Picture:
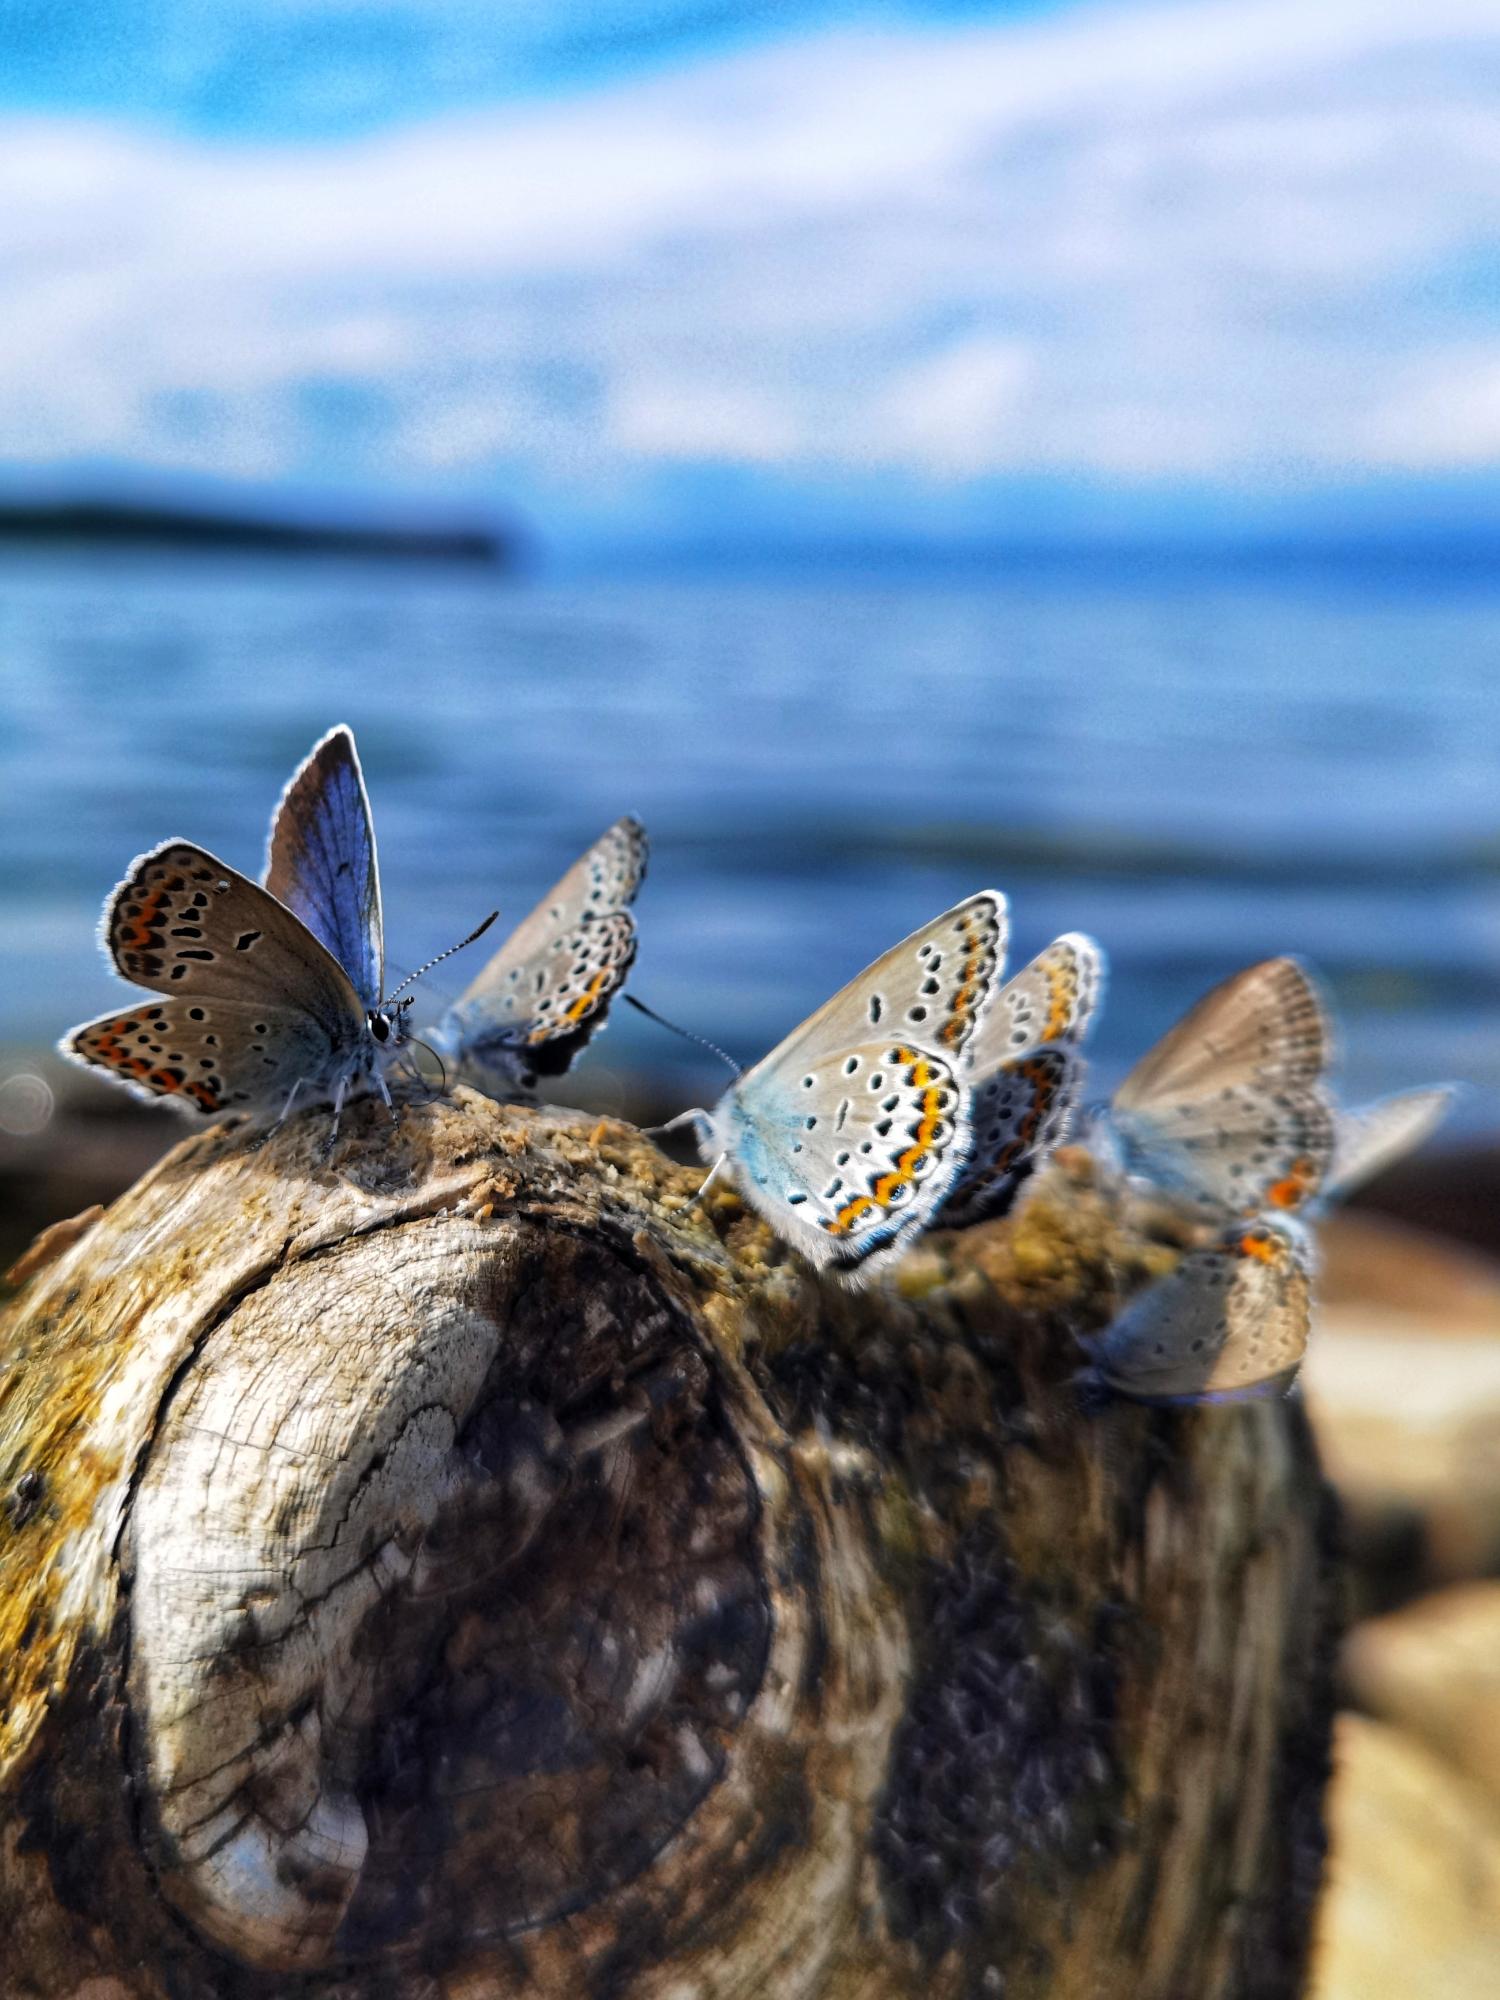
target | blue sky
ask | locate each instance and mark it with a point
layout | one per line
(651, 269)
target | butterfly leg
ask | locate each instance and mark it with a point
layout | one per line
(339, 1093)
(384, 1090)
(708, 1180)
(672, 1125)
(281, 1118)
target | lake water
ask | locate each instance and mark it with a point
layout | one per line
(1199, 766)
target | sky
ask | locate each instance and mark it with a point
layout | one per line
(641, 270)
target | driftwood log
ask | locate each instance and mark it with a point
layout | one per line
(459, 1568)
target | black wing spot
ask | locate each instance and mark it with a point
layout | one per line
(245, 939)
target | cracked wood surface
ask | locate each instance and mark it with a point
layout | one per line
(456, 1569)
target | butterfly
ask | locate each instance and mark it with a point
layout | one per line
(1368, 1139)
(1027, 1074)
(848, 1135)
(548, 988)
(266, 992)
(1230, 1322)
(1229, 1109)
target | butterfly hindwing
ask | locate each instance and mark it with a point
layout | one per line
(842, 1156)
(548, 988)
(1021, 1112)
(1372, 1136)
(321, 861)
(209, 1055)
(1232, 1320)
(1242, 1150)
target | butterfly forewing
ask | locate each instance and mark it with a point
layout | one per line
(1021, 1112)
(1229, 1107)
(1050, 1000)
(932, 989)
(1231, 1320)
(1267, 1024)
(1372, 1137)
(322, 863)
(549, 986)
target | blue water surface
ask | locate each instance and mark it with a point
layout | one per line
(1201, 766)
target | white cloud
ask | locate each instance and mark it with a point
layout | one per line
(675, 420)
(959, 411)
(1207, 239)
(1447, 413)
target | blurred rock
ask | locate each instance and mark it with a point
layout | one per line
(1403, 1382)
(94, 1142)
(1453, 1191)
(1434, 1669)
(1411, 1907)
(1373, 1268)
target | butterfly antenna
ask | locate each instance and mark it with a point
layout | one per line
(412, 977)
(686, 1034)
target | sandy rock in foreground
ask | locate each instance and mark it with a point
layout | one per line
(1411, 1910)
(1434, 1670)
(1403, 1382)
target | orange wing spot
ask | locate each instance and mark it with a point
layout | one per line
(958, 1014)
(921, 1076)
(1296, 1185)
(848, 1215)
(1258, 1244)
(202, 1095)
(1060, 993)
(581, 1006)
(1044, 1089)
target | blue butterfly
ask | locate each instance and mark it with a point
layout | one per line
(549, 986)
(266, 992)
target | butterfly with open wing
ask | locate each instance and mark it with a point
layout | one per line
(266, 993)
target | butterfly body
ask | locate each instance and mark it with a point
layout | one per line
(848, 1134)
(548, 988)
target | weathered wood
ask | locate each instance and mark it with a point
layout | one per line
(460, 1569)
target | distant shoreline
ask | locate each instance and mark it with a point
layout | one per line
(126, 524)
